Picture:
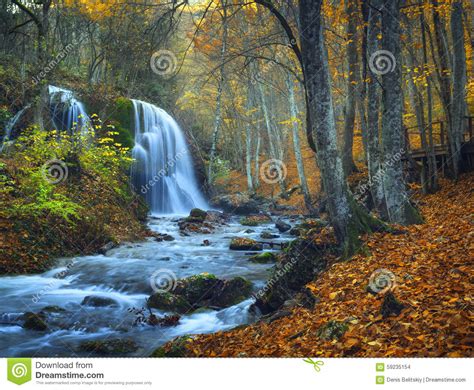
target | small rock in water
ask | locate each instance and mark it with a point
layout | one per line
(245, 244)
(267, 235)
(34, 321)
(282, 226)
(206, 243)
(96, 301)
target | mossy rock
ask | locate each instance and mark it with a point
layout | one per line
(245, 244)
(197, 288)
(232, 292)
(168, 302)
(175, 348)
(52, 309)
(265, 257)
(266, 235)
(109, 347)
(254, 220)
(332, 330)
(198, 213)
(34, 321)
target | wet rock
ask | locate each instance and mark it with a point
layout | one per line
(232, 292)
(268, 235)
(206, 243)
(52, 309)
(197, 288)
(162, 237)
(109, 347)
(332, 330)
(204, 290)
(245, 244)
(198, 214)
(265, 257)
(391, 306)
(255, 220)
(168, 302)
(282, 226)
(34, 321)
(240, 204)
(249, 231)
(98, 301)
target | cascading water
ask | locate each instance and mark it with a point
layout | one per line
(67, 113)
(163, 171)
(10, 125)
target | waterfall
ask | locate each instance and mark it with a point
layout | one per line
(10, 125)
(68, 113)
(163, 171)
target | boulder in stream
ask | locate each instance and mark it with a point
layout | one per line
(198, 291)
(265, 257)
(282, 226)
(245, 244)
(254, 220)
(34, 321)
(98, 301)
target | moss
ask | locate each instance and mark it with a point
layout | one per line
(122, 121)
(167, 302)
(175, 348)
(266, 257)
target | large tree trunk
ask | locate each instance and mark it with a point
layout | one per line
(429, 97)
(347, 218)
(352, 88)
(296, 144)
(443, 71)
(459, 85)
(248, 139)
(220, 86)
(398, 205)
(373, 107)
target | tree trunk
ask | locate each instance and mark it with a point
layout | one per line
(429, 97)
(220, 86)
(347, 218)
(352, 88)
(374, 157)
(399, 208)
(459, 85)
(296, 144)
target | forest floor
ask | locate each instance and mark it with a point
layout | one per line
(432, 264)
